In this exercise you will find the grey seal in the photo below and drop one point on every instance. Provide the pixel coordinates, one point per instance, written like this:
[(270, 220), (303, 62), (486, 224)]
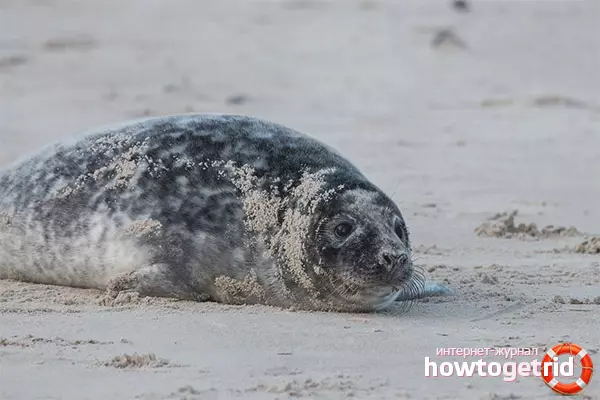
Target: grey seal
[(225, 208)]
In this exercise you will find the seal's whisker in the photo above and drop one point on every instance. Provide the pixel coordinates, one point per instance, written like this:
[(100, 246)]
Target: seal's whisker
[(395, 191)]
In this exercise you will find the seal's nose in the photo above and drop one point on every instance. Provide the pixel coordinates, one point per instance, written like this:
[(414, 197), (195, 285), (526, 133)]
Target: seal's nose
[(393, 260)]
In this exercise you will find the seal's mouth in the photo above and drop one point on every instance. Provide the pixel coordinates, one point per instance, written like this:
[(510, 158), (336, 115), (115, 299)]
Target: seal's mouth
[(404, 289), (414, 274), (398, 279)]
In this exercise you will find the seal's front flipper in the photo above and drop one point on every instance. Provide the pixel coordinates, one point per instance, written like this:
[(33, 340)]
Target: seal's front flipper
[(430, 289), (157, 280)]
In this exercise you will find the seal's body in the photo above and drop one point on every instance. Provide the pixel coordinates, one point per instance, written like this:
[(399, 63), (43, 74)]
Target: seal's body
[(228, 208)]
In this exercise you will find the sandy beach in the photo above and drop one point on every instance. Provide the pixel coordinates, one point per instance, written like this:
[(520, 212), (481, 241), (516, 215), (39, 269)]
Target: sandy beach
[(461, 115)]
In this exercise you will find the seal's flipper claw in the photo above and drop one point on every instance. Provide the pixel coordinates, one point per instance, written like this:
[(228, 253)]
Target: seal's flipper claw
[(430, 289)]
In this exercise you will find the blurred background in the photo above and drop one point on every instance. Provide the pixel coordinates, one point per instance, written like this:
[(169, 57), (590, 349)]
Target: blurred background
[(480, 105)]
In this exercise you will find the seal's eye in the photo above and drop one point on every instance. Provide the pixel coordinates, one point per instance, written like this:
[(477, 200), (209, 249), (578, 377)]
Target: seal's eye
[(343, 230), (400, 229)]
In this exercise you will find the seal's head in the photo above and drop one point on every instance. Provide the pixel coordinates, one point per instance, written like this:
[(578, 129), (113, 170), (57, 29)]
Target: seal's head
[(364, 249)]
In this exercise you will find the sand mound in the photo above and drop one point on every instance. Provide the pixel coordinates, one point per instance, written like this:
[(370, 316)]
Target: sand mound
[(589, 246), (502, 225), (137, 361)]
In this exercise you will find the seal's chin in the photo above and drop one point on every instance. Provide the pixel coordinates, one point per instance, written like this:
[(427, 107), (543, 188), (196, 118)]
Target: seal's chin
[(385, 300), (350, 295), (369, 299), (372, 298), (380, 297)]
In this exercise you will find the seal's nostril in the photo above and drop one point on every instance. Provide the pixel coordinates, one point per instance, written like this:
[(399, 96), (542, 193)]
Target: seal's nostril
[(388, 259), (402, 259), (394, 261)]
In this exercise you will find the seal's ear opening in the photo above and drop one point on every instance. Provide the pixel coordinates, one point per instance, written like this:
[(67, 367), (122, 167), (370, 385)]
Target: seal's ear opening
[(280, 216)]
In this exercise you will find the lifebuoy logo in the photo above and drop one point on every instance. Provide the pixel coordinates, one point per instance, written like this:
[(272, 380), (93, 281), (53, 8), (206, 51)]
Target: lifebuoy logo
[(552, 369)]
